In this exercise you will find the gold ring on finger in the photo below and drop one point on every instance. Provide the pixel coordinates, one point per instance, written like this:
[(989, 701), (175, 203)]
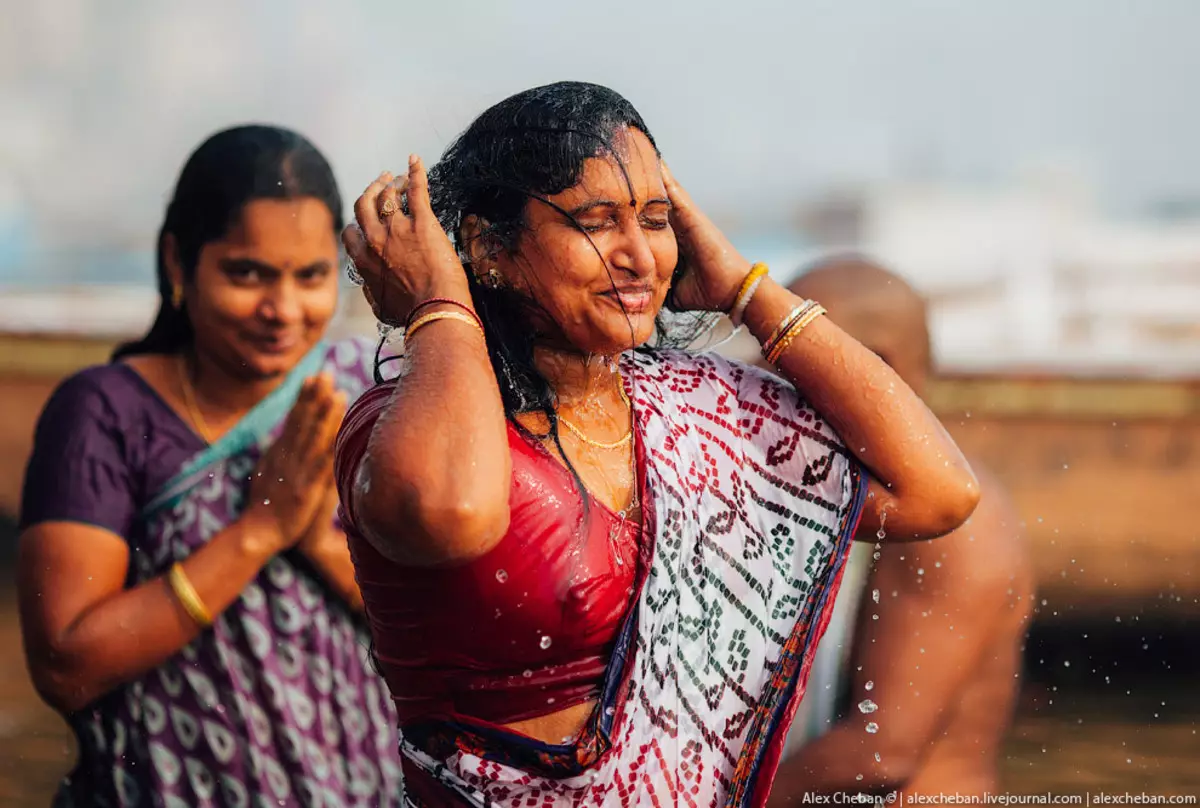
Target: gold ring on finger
[(388, 208)]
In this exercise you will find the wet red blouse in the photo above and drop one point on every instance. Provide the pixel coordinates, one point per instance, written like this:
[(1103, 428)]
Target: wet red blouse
[(520, 632)]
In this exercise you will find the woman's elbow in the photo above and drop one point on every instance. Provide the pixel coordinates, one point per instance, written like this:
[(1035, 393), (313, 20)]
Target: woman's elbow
[(59, 688), (953, 504), (463, 529), (941, 504), (435, 532)]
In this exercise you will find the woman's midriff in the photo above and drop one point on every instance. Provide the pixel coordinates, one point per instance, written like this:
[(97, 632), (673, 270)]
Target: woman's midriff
[(560, 727)]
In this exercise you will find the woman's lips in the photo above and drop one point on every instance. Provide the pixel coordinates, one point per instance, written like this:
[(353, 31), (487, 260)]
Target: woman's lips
[(634, 301), (279, 344)]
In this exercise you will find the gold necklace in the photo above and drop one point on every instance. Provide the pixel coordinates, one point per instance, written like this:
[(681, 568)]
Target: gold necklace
[(595, 444), (189, 398)]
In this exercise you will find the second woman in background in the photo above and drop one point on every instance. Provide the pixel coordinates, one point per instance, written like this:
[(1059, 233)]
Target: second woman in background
[(188, 602)]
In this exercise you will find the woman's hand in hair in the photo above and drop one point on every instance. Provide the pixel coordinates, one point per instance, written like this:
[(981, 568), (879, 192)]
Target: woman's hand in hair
[(714, 270), (404, 256)]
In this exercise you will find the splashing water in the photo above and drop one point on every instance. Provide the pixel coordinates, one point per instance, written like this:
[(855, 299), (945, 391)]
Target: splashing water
[(866, 706), (872, 728), (502, 576), (545, 642), (875, 595)]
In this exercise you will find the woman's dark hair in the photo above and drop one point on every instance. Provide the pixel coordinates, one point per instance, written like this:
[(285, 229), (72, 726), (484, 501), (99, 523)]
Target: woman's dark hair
[(527, 147), (228, 170)]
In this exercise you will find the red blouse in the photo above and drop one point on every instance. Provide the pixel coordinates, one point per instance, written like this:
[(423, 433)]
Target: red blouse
[(523, 631)]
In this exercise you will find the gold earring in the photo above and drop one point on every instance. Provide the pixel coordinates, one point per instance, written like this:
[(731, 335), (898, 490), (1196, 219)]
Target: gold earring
[(177, 296)]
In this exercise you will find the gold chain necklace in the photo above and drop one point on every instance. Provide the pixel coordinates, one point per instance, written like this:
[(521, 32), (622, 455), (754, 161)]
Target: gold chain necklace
[(595, 444), (189, 398)]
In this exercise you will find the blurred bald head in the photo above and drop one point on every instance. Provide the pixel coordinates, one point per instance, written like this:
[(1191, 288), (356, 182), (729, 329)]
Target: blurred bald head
[(876, 307)]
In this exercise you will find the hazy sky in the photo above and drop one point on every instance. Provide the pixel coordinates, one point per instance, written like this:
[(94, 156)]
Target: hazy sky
[(754, 103)]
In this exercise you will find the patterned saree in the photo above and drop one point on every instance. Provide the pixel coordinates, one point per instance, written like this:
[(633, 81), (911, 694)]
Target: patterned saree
[(751, 502), (276, 704)]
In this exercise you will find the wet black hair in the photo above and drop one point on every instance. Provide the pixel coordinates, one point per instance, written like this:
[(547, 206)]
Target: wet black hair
[(229, 169), (525, 148)]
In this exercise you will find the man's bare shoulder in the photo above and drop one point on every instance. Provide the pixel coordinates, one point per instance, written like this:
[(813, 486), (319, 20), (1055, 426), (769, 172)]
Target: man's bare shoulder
[(984, 559), (991, 548)]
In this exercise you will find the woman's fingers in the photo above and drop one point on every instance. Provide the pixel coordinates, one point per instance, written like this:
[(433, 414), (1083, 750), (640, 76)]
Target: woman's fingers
[(679, 197), (419, 206), (366, 212), (366, 263)]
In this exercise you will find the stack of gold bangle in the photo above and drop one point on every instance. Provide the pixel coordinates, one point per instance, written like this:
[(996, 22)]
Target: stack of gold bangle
[(188, 597), (795, 322)]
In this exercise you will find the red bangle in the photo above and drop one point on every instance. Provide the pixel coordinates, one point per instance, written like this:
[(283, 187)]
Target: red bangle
[(449, 301)]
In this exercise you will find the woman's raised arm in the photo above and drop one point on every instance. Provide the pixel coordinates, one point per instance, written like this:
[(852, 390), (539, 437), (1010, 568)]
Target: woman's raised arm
[(431, 484), (919, 478)]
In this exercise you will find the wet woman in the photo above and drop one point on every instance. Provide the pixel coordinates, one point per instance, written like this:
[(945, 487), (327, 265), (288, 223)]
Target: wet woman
[(596, 566), (187, 600)]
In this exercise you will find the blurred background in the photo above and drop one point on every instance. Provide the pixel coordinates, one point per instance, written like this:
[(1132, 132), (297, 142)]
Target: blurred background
[(1030, 165)]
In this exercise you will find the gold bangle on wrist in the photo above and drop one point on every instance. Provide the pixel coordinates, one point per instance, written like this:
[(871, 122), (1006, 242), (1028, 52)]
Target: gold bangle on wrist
[(784, 324), (187, 596), (796, 321), (425, 320)]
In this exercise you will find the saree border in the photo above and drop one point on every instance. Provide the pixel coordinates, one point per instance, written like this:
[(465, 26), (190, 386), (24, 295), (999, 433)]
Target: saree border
[(250, 430)]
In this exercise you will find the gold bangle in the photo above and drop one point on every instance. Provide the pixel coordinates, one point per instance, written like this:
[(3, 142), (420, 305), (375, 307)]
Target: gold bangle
[(746, 292), (784, 324), (802, 322), (187, 596), (441, 315)]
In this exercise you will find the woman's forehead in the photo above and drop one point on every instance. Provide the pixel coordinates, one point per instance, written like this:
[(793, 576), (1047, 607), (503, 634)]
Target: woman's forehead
[(632, 166)]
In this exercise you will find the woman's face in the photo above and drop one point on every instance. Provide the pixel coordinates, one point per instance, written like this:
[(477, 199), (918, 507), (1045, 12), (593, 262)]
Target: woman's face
[(599, 303), (263, 294)]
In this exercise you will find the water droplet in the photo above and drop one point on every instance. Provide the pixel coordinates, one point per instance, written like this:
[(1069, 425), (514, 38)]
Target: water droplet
[(875, 556), (869, 686), (920, 570), (866, 706), (610, 710), (872, 728), (550, 700), (875, 595), (545, 642), (502, 576), (1066, 663), (874, 617), (527, 673), (858, 777), (266, 502), (878, 759), (937, 564)]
